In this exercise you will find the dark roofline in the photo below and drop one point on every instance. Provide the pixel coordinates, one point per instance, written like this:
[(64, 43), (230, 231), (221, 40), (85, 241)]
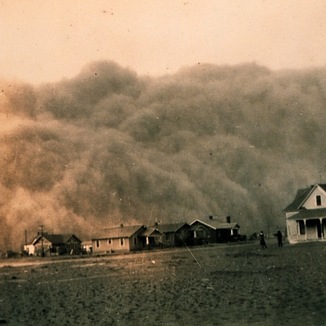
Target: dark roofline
[(308, 214), (301, 196), (105, 233), (171, 227), (57, 238), (299, 199), (199, 221)]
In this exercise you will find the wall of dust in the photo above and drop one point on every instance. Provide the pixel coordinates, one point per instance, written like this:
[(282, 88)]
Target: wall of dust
[(110, 147)]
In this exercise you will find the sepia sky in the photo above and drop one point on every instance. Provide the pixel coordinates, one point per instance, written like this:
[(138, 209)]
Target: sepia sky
[(49, 40)]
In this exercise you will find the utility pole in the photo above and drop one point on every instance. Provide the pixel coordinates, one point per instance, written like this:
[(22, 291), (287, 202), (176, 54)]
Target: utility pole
[(42, 244)]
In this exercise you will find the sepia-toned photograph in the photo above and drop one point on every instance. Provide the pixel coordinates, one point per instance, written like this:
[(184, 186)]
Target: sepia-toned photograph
[(162, 162)]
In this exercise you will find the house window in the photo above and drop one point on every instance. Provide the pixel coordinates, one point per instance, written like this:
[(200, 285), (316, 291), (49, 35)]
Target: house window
[(108, 241), (121, 241), (97, 243), (301, 227), (318, 200)]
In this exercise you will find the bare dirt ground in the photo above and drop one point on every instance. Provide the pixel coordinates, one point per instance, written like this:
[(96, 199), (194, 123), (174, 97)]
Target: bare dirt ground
[(236, 284)]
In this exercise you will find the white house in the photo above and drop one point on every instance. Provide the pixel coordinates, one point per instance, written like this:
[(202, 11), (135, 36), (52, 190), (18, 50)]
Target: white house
[(306, 215)]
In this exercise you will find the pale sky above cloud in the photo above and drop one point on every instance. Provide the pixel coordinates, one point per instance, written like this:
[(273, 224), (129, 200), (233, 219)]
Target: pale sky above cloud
[(50, 40)]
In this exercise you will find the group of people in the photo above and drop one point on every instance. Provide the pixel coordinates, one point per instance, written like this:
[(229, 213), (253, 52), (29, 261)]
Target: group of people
[(279, 236)]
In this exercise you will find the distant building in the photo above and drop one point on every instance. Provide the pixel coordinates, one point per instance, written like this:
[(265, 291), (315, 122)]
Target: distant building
[(174, 234), (151, 237), (56, 244), (306, 215), (213, 229), (118, 239)]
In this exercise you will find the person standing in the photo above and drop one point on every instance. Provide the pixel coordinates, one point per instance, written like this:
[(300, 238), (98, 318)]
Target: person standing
[(262, 240), (279, 238)]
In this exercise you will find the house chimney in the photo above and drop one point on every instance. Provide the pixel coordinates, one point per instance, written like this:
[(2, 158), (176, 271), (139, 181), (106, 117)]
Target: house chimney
[(228, 219)]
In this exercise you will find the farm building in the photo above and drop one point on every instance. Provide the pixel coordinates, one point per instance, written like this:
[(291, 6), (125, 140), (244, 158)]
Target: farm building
[(174, 234), (122, 238), (306, 215), (151, 237), (51, 244), (213, 229)]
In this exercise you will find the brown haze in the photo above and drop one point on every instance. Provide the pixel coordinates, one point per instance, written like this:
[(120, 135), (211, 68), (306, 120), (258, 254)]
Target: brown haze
[(111, 147)]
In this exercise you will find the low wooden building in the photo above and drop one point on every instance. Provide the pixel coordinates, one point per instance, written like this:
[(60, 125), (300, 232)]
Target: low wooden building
[(119, 239), (306, 216), (213, 229), (151, 237), (174, 234)]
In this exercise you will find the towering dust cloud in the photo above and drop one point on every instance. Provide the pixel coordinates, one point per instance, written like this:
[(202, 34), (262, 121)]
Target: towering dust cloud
[(111, 147)]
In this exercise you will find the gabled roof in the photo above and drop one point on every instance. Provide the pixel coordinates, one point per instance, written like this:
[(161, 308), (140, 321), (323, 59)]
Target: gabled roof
[(67, 237), (118, 232), (216, 224), (308, 214), (201, 222), (172, 227), (322, 185), (55, 238), (151, 232), (227, 226), (301, 196)]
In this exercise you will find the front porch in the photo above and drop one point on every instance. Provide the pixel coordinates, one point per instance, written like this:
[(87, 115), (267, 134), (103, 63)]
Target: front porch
[(307, 230)]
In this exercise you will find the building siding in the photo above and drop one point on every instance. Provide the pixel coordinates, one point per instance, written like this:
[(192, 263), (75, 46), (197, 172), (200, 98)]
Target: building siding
[(311, 202)]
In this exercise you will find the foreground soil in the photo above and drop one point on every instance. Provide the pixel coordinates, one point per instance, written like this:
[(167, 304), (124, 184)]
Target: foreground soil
[(236, 284)]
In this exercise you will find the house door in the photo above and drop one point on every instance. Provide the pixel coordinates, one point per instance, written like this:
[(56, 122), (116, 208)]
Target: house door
[(313, 229)]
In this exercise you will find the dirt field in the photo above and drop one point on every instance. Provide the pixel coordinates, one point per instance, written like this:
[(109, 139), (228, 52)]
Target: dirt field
[(237, 284)]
